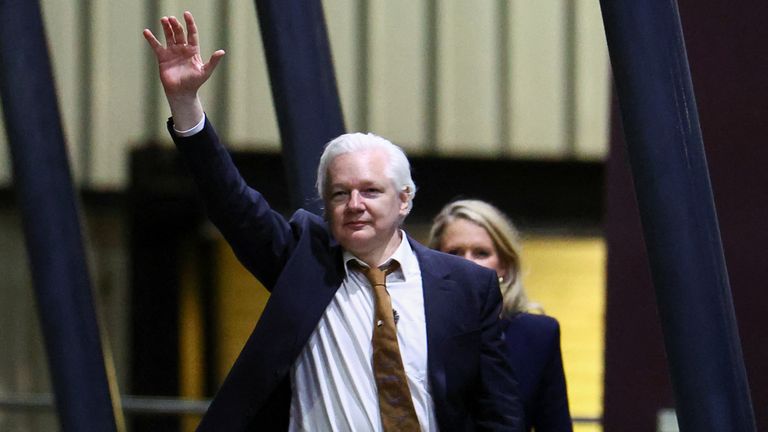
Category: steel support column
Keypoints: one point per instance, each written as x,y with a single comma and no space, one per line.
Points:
303,88
677,211
50,214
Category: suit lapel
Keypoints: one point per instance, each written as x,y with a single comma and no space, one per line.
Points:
440,299
319,282
440,292
439,296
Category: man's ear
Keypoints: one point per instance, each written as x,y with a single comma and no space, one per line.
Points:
404,199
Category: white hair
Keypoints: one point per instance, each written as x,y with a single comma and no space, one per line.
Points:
398,168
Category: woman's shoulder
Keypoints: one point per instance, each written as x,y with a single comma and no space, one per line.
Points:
533,325
531,341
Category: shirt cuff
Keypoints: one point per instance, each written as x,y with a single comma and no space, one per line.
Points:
189,132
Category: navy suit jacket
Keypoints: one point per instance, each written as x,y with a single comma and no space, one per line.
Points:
471,383
533,345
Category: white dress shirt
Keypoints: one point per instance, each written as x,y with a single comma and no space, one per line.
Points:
333,388
191,131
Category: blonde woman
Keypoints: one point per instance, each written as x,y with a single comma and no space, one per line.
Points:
481,233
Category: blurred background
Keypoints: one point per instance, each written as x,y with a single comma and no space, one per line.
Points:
508,101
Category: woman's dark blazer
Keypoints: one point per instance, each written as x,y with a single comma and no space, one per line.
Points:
533,346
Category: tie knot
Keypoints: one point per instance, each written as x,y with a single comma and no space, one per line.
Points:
377,275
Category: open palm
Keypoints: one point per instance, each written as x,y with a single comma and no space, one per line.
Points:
182,70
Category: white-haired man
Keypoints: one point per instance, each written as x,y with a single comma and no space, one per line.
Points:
336,348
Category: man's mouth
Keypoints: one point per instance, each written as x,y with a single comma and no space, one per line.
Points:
356,224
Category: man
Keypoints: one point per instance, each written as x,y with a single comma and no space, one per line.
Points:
365,329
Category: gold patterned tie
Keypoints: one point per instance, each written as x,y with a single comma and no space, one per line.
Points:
397,412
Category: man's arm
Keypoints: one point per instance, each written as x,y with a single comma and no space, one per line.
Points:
260,238
182,70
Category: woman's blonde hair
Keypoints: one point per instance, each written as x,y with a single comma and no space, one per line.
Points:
506,240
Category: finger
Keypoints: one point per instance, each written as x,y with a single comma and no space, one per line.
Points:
153,42
213,62
168,31
192,38
178,31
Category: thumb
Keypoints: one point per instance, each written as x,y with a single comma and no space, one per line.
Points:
213,62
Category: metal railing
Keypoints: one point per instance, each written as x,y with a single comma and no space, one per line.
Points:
151,405
130,404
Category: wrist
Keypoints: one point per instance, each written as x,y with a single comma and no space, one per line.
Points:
181,98
187,111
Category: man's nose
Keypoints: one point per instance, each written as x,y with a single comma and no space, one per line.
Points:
468,255
355,200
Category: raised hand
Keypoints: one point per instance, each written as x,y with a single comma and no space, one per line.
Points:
182,70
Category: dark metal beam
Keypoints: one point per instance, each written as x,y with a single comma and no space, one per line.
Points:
677,211
303,88
51,223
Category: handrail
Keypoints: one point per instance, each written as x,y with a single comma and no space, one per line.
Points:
130,404
150,405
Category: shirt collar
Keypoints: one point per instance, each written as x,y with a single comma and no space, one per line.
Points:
403,254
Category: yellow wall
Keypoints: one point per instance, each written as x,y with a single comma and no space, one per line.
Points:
567,277
241,299
191,365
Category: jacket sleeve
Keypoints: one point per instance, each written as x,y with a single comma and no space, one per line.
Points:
260,237
550,407
499,406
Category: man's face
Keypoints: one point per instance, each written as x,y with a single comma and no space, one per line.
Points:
363,206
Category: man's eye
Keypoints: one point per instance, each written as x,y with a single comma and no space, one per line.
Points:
371,193
339,195
453,252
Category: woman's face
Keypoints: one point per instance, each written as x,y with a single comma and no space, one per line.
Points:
471,241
